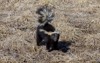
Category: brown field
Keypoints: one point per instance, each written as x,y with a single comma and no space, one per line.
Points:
77,20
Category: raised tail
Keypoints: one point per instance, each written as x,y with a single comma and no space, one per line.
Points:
46,14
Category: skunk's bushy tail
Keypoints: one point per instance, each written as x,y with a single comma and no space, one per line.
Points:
46,14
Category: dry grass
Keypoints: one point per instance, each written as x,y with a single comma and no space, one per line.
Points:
77,20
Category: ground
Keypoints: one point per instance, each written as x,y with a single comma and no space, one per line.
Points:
77,20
